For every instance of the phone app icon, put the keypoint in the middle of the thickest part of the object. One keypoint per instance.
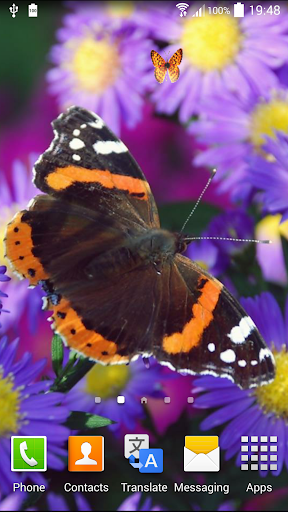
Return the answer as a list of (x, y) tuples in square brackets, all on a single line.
[(86, 453), (29, 453)]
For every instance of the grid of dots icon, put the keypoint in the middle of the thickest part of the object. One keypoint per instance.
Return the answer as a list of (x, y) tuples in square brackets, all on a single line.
[(262, 451)]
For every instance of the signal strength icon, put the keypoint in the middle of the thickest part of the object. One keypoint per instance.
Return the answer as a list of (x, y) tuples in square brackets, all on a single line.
[(182, 7), (200, 12)]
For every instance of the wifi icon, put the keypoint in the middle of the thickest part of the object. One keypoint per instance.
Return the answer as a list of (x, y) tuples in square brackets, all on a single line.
[(182, 7)]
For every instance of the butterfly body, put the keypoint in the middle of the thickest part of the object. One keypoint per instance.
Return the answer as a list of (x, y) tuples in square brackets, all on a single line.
[(161, 67), (117, 284)]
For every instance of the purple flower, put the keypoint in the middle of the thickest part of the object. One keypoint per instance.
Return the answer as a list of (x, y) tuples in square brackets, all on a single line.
[(3, 279), (58, 502), (271, 176), (55, 502), (215, 255), (132, 503), (13, 198), (221, 53), (270, 257), (99, 69), (262, 411), (231, 224), (107, 382), (236, 129), (116, 16), (27, 409), (12, 502), (206, 254), (227, 506)]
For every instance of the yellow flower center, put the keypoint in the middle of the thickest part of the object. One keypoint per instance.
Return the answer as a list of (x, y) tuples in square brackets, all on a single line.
[(107, 381), (270, 228), (211, 42), (266, 118), (95, 64), (274, 397), (120, 9), (9, 406)]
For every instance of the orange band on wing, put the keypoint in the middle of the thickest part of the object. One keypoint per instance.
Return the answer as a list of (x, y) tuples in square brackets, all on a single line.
[(202, 315), (64, 177), (19, 245), (68, 324)]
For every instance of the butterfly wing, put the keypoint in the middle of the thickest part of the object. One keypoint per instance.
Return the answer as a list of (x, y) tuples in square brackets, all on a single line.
[(83, 262), (87, 163), (174, 62), (176, 58), (157, 60), (160, 69), (208, 332), (96, 200)]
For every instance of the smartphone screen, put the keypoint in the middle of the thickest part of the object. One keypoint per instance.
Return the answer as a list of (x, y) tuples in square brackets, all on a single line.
[(143, 256)]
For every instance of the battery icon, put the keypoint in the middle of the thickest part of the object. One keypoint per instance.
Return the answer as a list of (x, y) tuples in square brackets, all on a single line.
[(239, 10)]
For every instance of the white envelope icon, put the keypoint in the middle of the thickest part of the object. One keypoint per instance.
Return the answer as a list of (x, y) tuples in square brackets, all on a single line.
[(201, 462)]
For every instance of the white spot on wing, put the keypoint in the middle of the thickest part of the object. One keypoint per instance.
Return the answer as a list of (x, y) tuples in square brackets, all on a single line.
[(97, 125), (242, 363), (99, 122), (265, 352), (105, 147), (211, 347), (76, 157), (83, 125), (76, 133), (240, 333), (228, 356), (254, 362), (76, 144), (45, 303)]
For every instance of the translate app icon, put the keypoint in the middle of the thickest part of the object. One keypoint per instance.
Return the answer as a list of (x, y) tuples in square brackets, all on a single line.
[(140, 456), (29, 453), (133, 443), (151, 460)]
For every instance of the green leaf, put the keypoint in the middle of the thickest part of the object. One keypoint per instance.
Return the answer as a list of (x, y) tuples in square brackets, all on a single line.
[(57, 354), (174, 215), (85, 421), (75, 370)]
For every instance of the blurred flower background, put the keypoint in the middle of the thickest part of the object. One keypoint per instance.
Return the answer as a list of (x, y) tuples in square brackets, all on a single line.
[(229, 110)]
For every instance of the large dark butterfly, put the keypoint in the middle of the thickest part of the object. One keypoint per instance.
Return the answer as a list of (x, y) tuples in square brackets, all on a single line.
[(117, 284)]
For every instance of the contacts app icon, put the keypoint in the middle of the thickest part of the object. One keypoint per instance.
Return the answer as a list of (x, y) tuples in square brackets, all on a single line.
[(86, 453)]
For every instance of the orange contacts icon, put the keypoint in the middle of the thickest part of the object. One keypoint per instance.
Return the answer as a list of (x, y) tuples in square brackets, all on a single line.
[(86, 453)]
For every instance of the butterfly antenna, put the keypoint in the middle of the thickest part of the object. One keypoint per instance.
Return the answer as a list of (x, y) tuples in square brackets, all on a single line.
[(190, 239), (199, 199)]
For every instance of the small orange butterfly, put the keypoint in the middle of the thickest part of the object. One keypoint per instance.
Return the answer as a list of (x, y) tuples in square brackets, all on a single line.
[(171, 66)]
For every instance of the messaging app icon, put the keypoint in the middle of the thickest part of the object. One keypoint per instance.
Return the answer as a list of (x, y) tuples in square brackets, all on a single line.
[(201, 454), (29, 453)]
